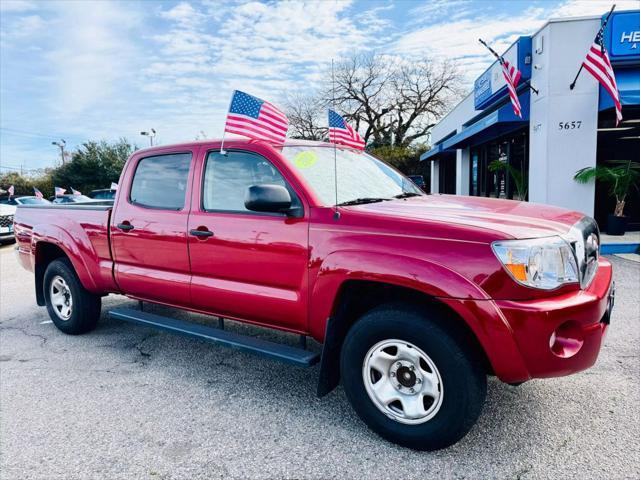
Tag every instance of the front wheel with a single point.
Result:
(410, 379)
(72, 309)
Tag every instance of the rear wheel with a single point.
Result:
(410, 379)
(72, 309)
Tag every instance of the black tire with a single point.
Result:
(85, 306)
(463, 378)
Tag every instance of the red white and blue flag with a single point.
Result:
(59, 191)
(512, 77)
(341, 133)
(598, 64)
(37, 193)
(255, 118)
(12, 191)
(75, 192)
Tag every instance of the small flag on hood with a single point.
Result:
(12, 191)
(114, 186)
(59, 191)
(75, 192)
(37, 193)
(342, 133)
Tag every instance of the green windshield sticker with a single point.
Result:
(305, 159)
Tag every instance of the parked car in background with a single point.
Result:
(70, 199)
(416, 298)
(418, 180)
(7, 213)
(103, 194)
(25, 200)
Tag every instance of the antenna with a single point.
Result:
(336, 213)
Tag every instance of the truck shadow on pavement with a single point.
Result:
(282, 390)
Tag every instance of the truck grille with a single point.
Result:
(6, 220)
(584, 238)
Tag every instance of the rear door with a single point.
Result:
(149, 228)
(250, 266)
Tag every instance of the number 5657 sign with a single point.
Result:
(570, 125)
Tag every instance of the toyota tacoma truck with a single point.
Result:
(415, 299)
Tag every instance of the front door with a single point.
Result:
(149, 229)
(247, 265)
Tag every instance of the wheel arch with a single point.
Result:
(356, 297)
(45, 253)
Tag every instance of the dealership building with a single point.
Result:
(561, 130)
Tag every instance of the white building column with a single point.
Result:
(435, 176)
(563, 129)
(462, 171)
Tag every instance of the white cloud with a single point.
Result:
(7, 6)
(457, 38)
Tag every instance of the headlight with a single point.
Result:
(544, 263)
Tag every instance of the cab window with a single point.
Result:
(161, 181)
(227, 177)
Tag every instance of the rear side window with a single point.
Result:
(161, 181)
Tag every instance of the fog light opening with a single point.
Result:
(566, 340)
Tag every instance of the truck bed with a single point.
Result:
(83, 227)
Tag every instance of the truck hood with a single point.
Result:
(512, 219)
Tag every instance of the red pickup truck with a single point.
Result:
(415, 298)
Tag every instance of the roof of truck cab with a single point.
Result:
(237, 141)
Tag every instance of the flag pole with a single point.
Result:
(604, 24)
(336, 213)
(224, 130)
(500, 59)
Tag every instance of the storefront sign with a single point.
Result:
(491, 85)
(624, 36)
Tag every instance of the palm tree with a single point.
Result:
(620, 175)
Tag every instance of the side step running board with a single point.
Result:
(285, 353)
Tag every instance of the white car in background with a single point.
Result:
(6, 222)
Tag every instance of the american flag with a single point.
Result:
(114, 186)
(12, 191)
(256, 118)
(37, 193)
(598, 64)
(75, 192)
(59, 191)
(342, 133)
(512, 77)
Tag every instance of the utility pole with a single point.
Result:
(151, 133)
(61, 144)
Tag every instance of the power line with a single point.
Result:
(26, 133)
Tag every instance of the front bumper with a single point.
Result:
(561, 335)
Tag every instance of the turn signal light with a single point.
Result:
(518, 271)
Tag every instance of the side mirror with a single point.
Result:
(268, 198)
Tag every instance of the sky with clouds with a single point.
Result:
(90, 69)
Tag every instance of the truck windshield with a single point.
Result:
(361, 177)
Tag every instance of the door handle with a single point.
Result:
(201, 232)
(125, 226)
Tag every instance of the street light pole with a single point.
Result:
(151, 133)
(61, 144)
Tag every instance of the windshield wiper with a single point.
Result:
(361, 201)
(408, 195)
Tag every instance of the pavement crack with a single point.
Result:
(28, 334)
(141, 351)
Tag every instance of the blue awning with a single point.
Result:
(435, 150)
(497, 123)
(628, 81)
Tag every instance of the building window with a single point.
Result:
(500, 168)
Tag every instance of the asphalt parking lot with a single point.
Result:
(128, 402)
